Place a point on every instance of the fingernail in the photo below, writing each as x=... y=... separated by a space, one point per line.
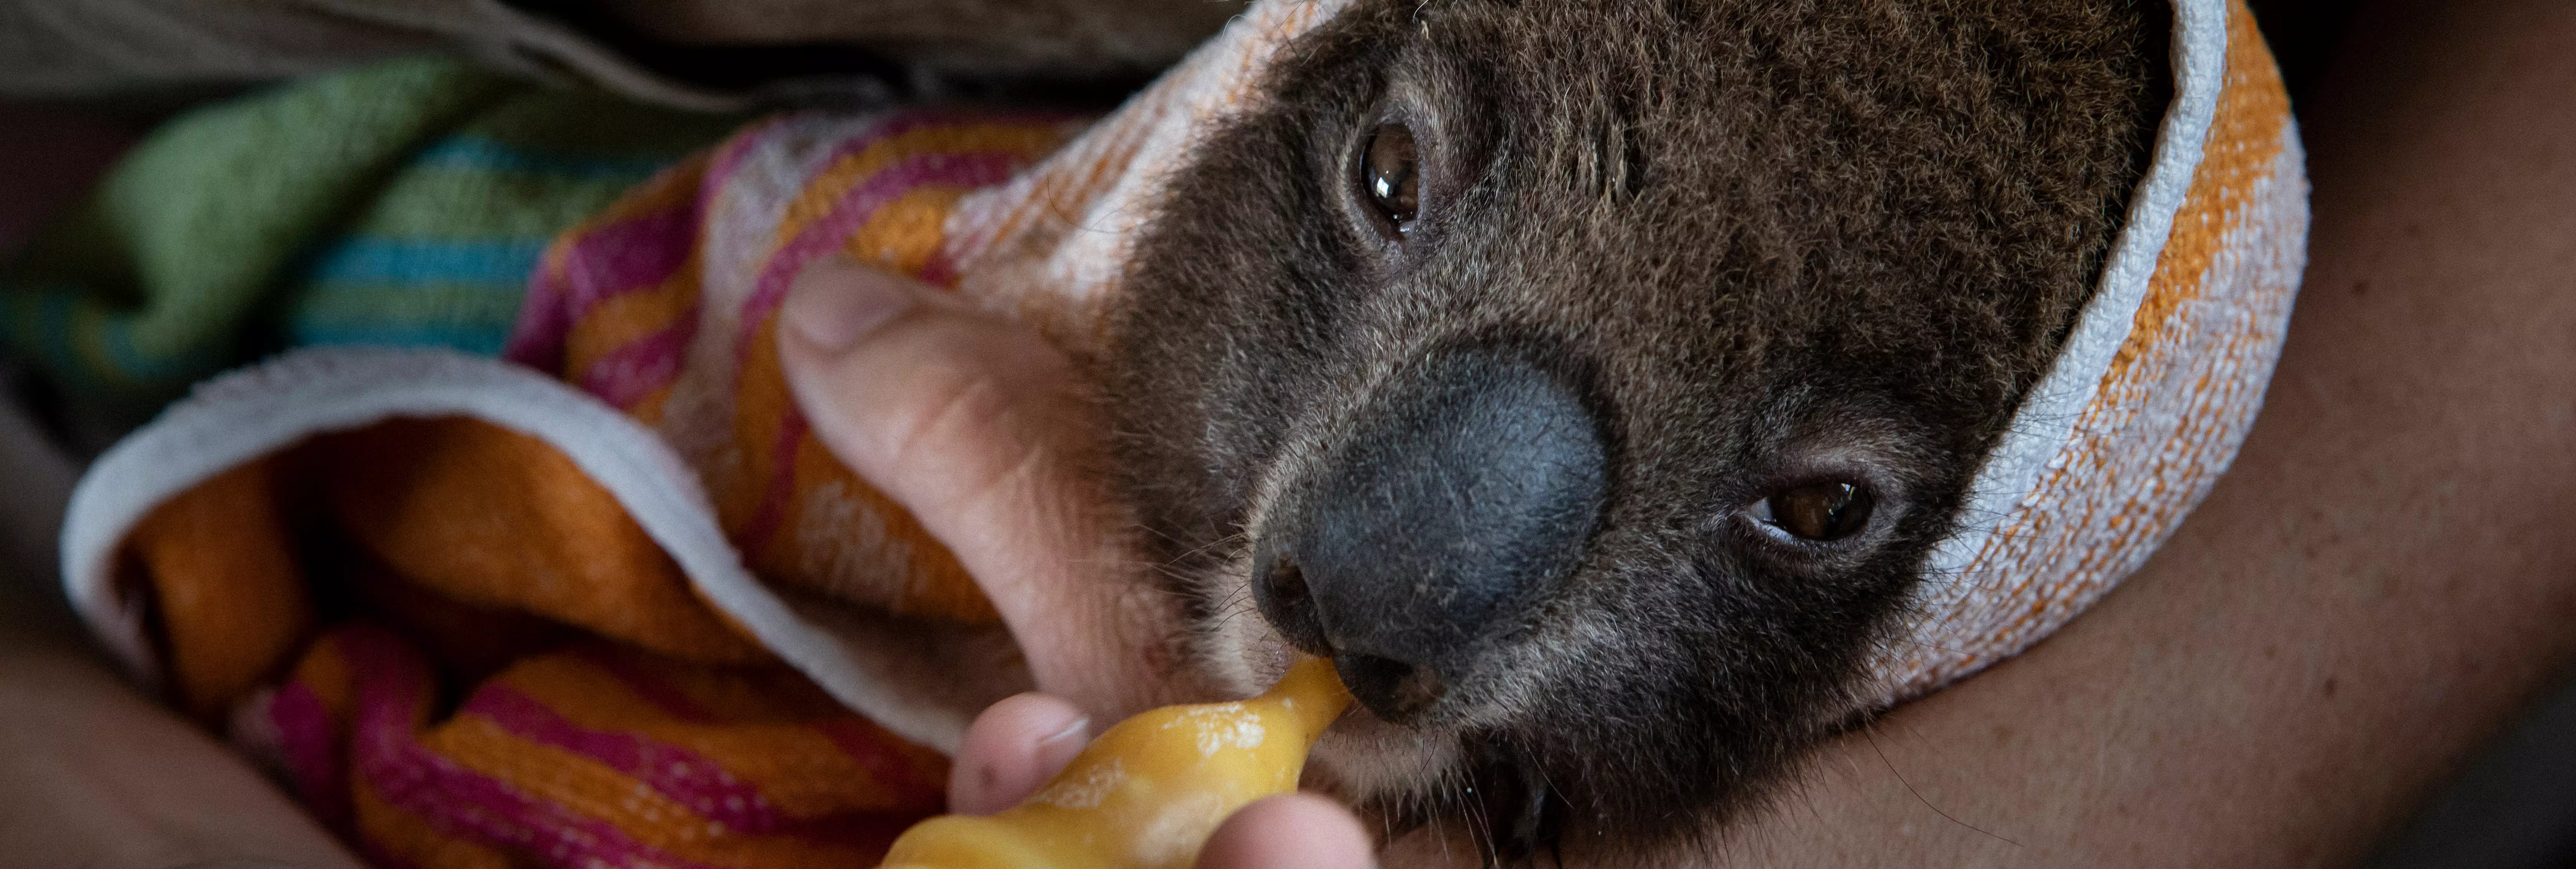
x=1079 y=729
x=836 y=300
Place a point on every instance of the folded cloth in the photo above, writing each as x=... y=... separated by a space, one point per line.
x=585 y=605
x=694 y=54
x=398 y=204
x=55 y=49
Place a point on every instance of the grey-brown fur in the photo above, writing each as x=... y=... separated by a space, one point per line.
x=1768 y=241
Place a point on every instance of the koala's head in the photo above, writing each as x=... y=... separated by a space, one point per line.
x=1589 y=378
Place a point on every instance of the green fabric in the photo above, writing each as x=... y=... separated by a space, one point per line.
x=403 y=203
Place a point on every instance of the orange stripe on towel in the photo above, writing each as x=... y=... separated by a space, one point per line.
x=560 y=761
x=222 y=567
x=604 y=714
x=2244 y=140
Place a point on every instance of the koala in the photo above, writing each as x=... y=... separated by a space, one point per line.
x=1590 y=378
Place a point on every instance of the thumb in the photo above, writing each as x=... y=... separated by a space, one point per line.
x=975 y=425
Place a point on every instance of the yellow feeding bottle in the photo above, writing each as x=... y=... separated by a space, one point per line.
x=1146 y=794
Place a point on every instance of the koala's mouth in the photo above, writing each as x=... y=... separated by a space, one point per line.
x=1460 y=785
x=1411 y=552
x=1521 y=812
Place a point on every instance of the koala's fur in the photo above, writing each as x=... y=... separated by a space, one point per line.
x=1767 y=240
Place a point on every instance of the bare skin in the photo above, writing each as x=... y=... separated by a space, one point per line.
x=94 y=774
x=2379 y=586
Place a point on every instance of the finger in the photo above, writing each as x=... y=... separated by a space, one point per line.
x=972 y=424
x=1011 y=749
x=1289 y=831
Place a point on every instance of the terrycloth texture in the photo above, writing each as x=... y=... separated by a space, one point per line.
x=659 y=309
x=303 y=548
x=2156 y=388
x=402 y=204
x=609 y=711
x=589 y=755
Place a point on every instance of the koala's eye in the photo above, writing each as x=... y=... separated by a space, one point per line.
x=1388 y=175
x=1820 y=511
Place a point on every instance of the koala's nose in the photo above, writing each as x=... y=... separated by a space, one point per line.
x=1461 y=496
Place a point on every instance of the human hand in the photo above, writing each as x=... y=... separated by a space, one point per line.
x=1018 y=744
x=974 y=424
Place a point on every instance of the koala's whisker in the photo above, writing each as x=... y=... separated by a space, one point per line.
x=1918 y=795
x=1150 y=529
x=1195 y=551
x=1236 y=605
x=1168 y=567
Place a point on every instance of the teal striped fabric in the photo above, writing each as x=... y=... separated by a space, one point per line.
x=442 y=254
x=403 y=204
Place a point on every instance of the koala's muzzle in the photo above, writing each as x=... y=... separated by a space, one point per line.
x=1461 y=493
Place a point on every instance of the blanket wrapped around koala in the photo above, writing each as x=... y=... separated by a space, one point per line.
x=607 y=602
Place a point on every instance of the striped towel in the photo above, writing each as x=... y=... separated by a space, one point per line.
x=629 y=302
x=605 y=713
x=589 y=755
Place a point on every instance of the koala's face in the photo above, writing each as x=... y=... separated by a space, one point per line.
x=1590 y=379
